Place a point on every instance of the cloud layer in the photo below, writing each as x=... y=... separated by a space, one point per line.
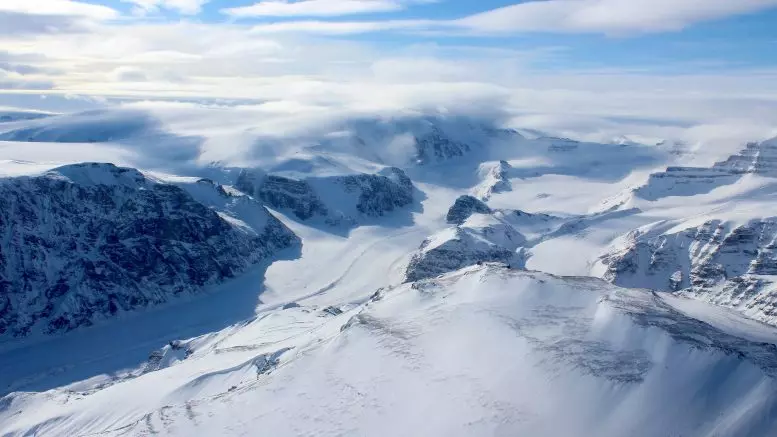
x=89 y=53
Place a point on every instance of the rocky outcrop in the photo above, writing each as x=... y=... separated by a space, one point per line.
x=720 y=262
x=336 y=199
x=86 y=242
x=437 y=146
x=296 y=196
x=756 y=158
x=464 y=207
x=379 y=194
x=481 y=238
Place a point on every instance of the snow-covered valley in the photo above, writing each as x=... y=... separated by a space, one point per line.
x=408 y=275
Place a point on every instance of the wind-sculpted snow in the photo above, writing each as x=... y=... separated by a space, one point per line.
x=338 y=199
x=481 y=351
x=722 y=262
x=90 y=241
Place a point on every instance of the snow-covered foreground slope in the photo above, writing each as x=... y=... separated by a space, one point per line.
x=481 y=351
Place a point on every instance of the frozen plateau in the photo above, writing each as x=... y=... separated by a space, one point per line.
x=187 y=273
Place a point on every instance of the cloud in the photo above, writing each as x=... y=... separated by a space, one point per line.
x=25 y=18
x=187 y=7
x=612 y=17
x=129 y=74
x=10 y=80
x=58 y=8
x=303 y=79
x=608 y=16
x=318 y=8
x=338 y=27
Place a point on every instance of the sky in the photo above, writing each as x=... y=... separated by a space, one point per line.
x=694 y=69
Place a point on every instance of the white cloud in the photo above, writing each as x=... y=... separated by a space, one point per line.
x=613 y=17
x=608 y=16
x=58 y=7
x=188 y=7
x=318 y=8
x=20 y=18
x=338 y=27
x=308 y=78
x=129 y=74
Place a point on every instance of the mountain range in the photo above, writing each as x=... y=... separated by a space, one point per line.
x=411 y=274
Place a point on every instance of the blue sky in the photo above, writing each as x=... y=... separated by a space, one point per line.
x=745 y=38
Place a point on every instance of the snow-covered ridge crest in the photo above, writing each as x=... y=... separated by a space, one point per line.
x=491 y=348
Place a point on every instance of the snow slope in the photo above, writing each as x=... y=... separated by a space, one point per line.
x=482 y=351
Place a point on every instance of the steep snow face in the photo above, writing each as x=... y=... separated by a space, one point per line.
x=495 y=179
x=482 y=351
x=86 y=242
x=480 y=238
x=341 y=199
x=722 y=262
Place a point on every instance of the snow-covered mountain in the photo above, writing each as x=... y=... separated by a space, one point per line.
x=722 y=262
x=491 y=351
x=402 y=274
x=89 y=241
x=756 y=159
x=337 y=199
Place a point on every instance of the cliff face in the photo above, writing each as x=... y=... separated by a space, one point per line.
x=85 y=242
x=478 y=239
x=336 y=199
x=721 y=262
x=757 y=158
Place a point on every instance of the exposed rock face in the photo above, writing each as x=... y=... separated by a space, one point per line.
x=85 y=242
x=464 y=207
x=380 y=193
x=756 y=158
x=437 y=146
x=482 y=238
x=284 y=193
x=335 y=198
x=726 y=264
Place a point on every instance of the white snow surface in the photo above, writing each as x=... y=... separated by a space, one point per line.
x=332 y=341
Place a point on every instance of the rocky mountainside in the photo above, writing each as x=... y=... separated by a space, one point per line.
x=721 y=262
x=85 y=242
x=336 y=199
x=477 y=239
x=464 y=207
